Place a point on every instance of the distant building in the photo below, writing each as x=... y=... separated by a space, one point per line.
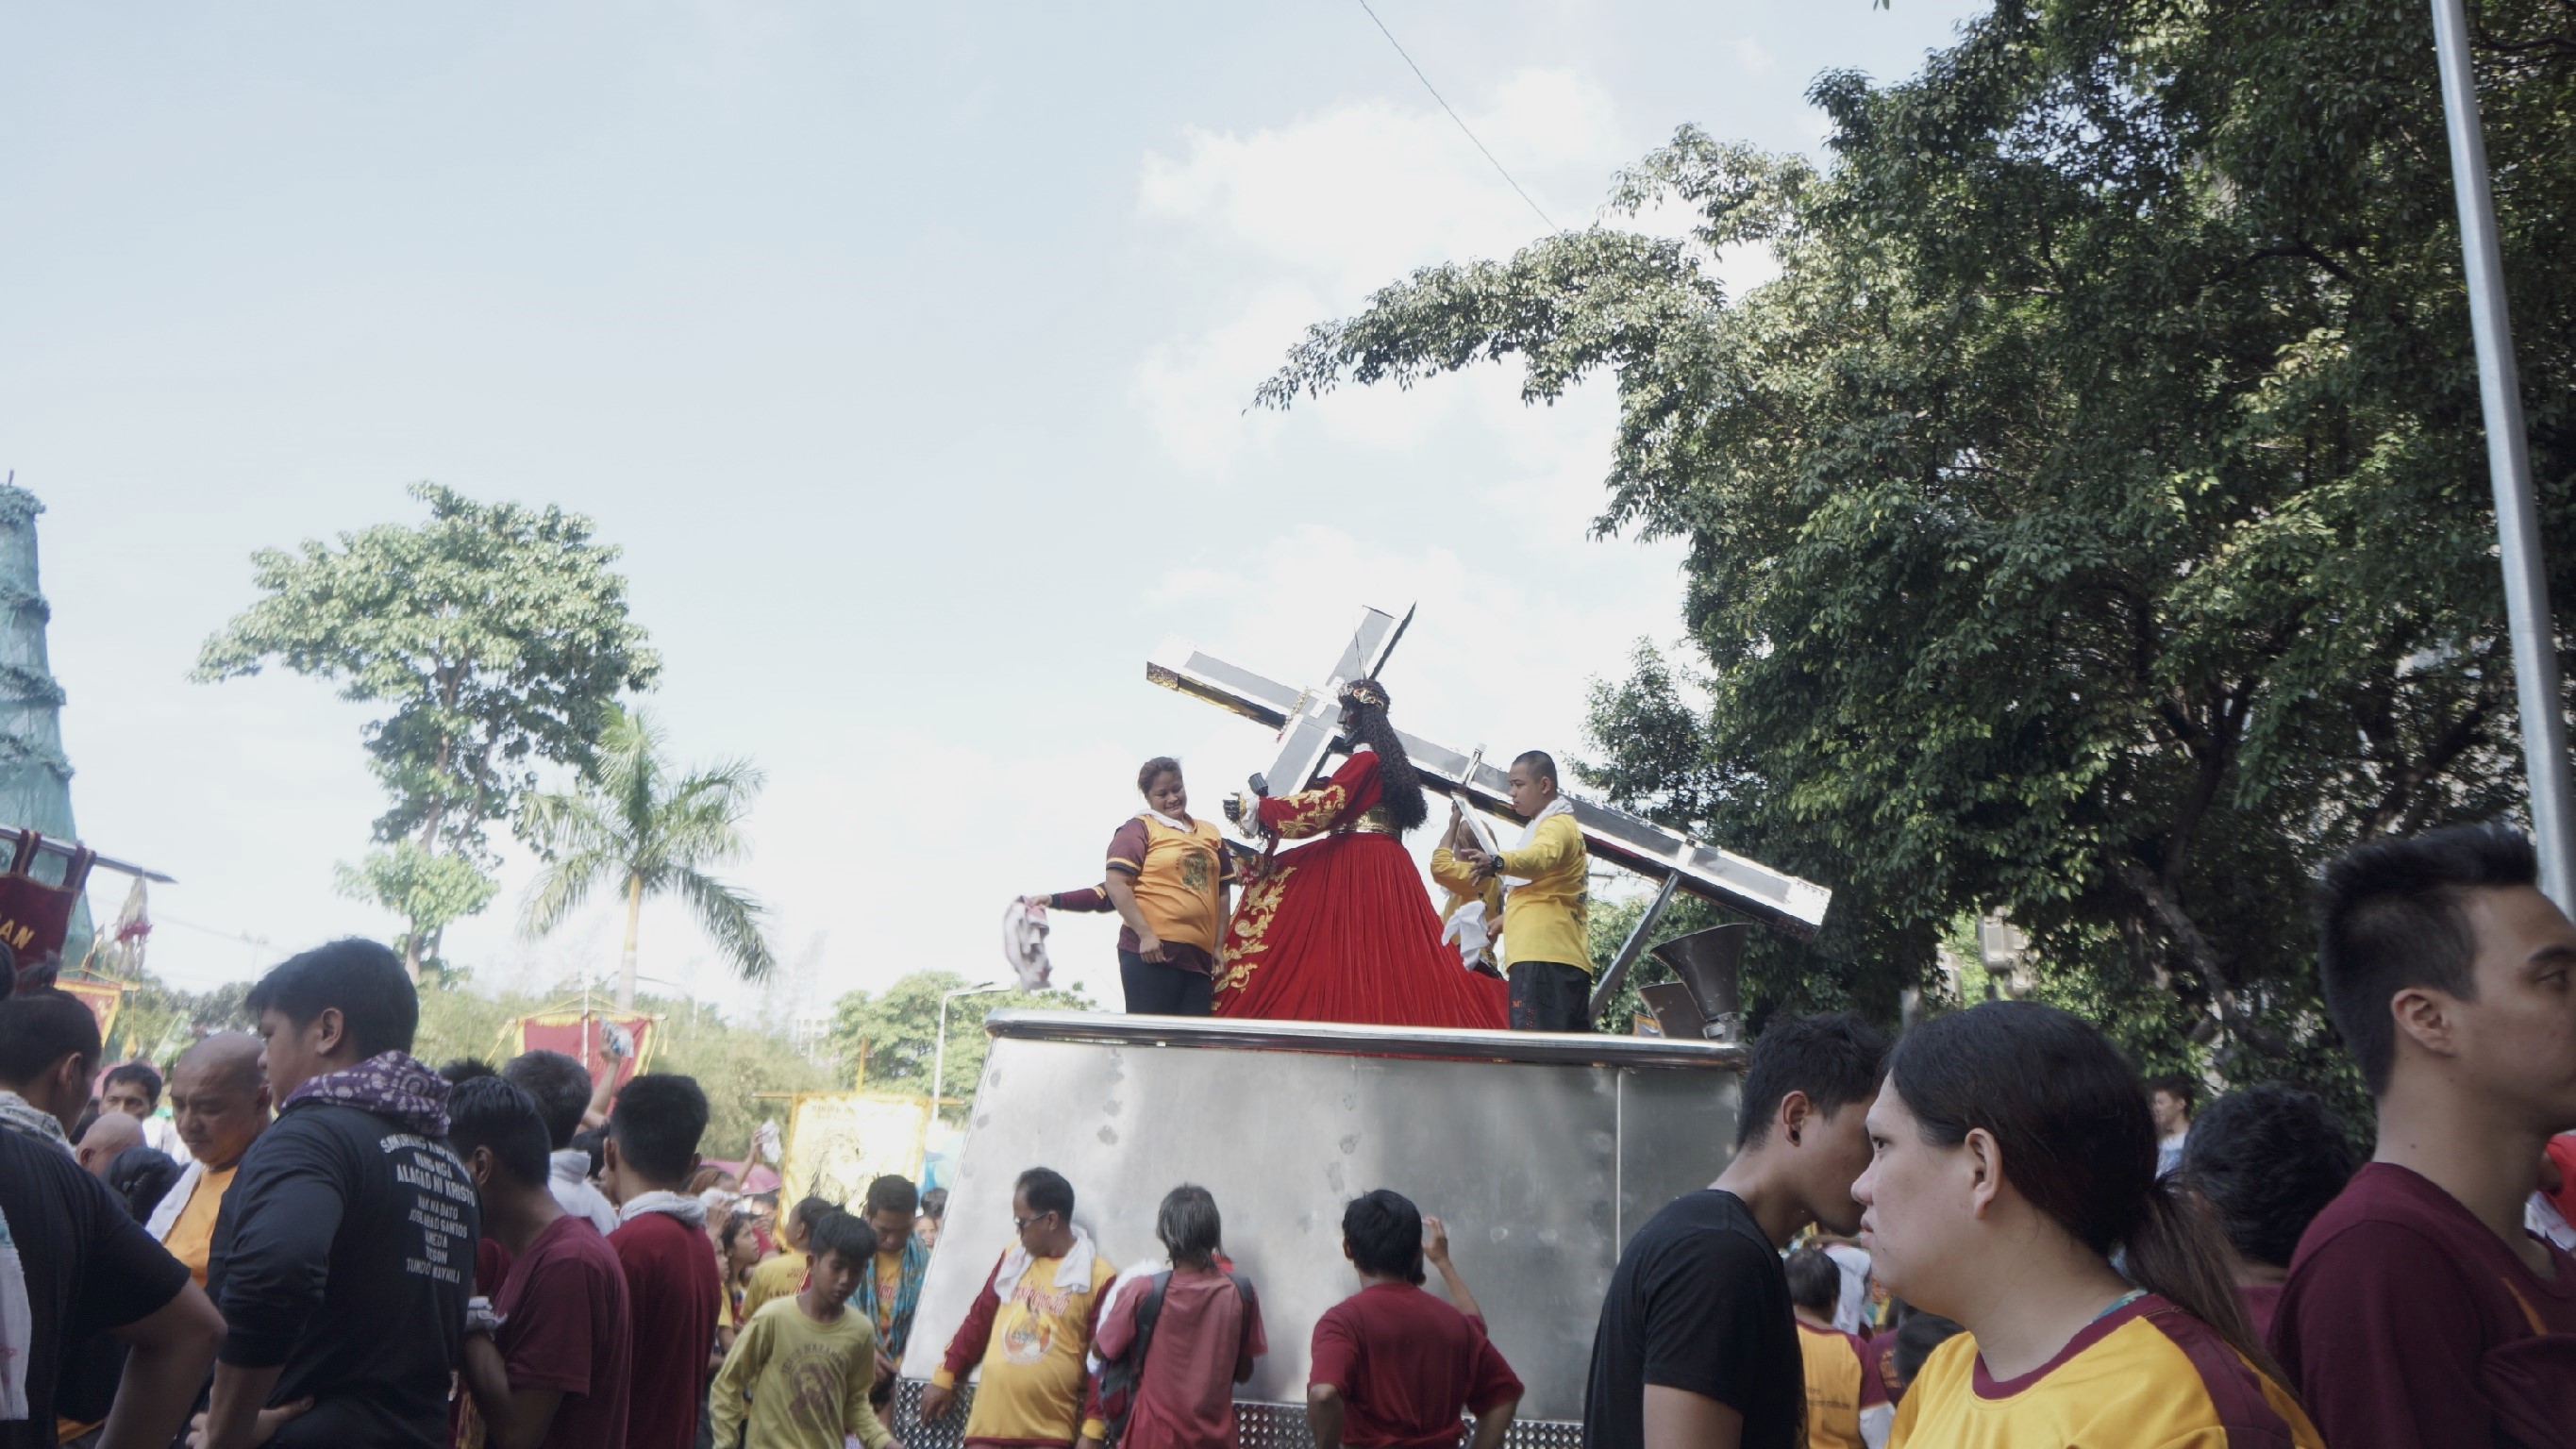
x=35 y=775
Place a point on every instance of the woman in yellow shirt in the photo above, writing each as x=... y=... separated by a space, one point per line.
x=1171 y=881
x=2013 y=1155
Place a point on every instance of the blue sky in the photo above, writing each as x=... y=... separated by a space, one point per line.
x=904 y=351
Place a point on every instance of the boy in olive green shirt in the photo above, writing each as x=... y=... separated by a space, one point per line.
x=802 y=1367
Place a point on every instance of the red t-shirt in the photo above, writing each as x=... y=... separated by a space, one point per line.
x=1407 y=1363
x=1203 y=1332
x=671 y=1286
x=2407 y=1323
x=564 y=1326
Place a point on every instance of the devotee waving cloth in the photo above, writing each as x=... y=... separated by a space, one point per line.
x=553 y=1371
x=2015 y=1156
x=1392 y=1367
x=1547 y=905
x=345 y=1248
x=1341 y=930
x=671 y=1278
x=1697 y=1344
x=219 y=1098
x=1169 y=878
x=2418 y=1310
x=1030 y=1328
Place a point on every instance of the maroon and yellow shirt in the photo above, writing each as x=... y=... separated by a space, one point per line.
x=2144 y=1374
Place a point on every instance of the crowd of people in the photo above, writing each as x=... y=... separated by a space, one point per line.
x=1989 y=1233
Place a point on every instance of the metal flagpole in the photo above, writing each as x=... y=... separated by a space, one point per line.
x=2526 y=580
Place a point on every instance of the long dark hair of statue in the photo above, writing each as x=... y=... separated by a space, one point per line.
x=1400 y=790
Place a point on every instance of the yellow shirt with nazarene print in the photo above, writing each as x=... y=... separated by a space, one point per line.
x=1177 y=875
x=1031 y=1354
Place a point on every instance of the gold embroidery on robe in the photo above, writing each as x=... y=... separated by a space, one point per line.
x=1310 y=812
x=1252 y=919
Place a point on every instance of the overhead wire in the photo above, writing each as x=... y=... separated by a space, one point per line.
x=1499 y=168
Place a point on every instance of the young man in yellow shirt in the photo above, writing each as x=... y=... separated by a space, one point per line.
x=1547 y=907
x=783 y=1275
x=219 y=1098
x=802 y=1369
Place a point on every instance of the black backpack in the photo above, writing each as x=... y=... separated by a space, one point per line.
x=1121 y=1377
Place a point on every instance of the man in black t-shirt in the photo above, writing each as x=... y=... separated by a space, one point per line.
x=1697 y=1346
x=344 y=1250
x=90 y=1269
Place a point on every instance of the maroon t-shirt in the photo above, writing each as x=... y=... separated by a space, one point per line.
x=2262 y=1302
x=671 y=1286
x=2406 y=1323
x=564 y=1326
x=1407 y=1363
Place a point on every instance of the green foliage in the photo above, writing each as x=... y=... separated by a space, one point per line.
x=2090 y=522
x=635 y=826
x=159 y=1021
x=897 y=1032
x=421 y=890
x=734 y=1064
x=496 y=636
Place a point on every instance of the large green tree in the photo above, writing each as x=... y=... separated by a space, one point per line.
x=2090 y=522
x=648 y=830
x=494 y=636
x=896 y=1032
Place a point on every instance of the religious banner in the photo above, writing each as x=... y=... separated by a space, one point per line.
x=102 y=997
x=35 y=915
x=839 y=1142
x=621 y=1042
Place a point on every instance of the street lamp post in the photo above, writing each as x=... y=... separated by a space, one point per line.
x=2526 y=580
x=939 y=1060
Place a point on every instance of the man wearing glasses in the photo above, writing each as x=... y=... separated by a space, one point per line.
x=1030 y=1328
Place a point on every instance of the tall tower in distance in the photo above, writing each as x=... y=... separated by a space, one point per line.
x=35 y=775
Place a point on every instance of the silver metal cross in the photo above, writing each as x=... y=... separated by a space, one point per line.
x=1307 y=720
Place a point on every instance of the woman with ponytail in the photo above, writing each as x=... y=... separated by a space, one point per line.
x=2015 y=1156
x=1341 y=929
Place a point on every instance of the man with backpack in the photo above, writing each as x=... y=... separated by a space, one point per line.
x=1174 y=1344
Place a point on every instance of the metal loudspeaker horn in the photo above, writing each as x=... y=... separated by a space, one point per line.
x=1710 y=1002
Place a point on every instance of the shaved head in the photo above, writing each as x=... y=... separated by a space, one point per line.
x=219 y=1098
x=111 y=1134
x=225 y=1059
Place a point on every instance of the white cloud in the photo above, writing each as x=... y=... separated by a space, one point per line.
x=1303 y=221
x=1753 y=58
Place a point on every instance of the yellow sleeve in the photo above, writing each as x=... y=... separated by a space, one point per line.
x=858 y=1416
x=1560 y=840
x=730 y=1398
x=1449 y=875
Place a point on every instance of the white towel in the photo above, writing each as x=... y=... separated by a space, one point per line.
x=1024 y=933
x=1558 y=806
x=678 y=1204
x=1073 y=1270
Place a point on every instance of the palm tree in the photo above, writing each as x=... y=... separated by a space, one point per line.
x=631 y=823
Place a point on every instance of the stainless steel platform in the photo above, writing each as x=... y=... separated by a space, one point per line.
x=1256 y=1425
x=1541 y=1151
